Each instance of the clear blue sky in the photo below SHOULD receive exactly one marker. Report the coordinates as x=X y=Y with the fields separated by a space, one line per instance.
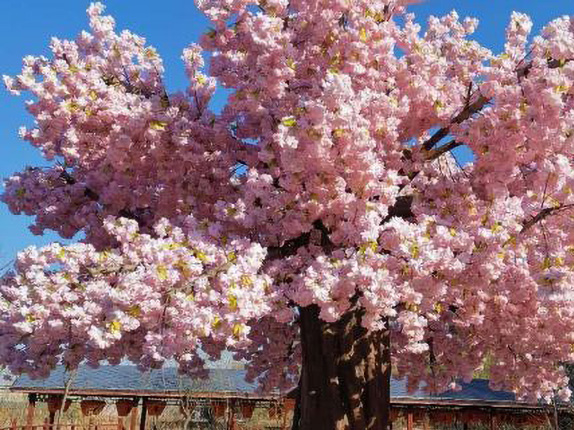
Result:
x=27 y=25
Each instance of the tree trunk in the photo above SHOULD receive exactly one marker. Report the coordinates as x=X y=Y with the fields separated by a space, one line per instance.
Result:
x=345 y=377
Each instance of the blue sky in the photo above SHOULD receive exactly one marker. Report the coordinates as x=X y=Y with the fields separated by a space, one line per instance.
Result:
x=169 y=25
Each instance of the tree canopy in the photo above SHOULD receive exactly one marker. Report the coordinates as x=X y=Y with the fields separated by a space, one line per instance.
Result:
x=327 y=180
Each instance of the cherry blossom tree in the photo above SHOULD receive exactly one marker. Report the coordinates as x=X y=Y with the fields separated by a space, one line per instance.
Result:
x=319 y=227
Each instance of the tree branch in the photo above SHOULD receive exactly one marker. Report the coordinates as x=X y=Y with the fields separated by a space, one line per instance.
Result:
x=92 y=195
x=467 y=112
x=289 y=248
x=401 y=209
x=435 y=153
x=481 y=101
x=544 y=213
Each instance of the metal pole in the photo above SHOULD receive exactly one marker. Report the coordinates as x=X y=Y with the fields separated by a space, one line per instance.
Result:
x=144 y=414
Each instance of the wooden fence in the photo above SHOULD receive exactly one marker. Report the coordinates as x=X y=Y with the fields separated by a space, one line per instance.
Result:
x=65 y=426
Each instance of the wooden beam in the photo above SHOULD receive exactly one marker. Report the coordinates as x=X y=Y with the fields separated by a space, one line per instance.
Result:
x=31 y=410
x=410 y=420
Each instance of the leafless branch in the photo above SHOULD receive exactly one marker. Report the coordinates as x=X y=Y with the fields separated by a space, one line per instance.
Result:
x=435 y=153
x=466 y=113
x=543 y=214
x=475 y=107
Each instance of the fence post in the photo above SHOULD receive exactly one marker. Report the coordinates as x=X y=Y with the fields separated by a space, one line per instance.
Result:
x=134 y=417
x=31 y=410
x=410 y=420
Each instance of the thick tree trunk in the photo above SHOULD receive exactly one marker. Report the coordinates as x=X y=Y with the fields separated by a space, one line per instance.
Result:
x=345 y=377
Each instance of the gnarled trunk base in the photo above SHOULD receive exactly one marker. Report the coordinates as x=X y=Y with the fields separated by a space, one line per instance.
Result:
x=345 y=377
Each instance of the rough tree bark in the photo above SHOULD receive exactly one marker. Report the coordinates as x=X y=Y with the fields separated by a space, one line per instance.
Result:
x=345 y=376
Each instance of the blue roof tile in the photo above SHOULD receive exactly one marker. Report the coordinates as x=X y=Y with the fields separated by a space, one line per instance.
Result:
x=129 y=378
x=167 y=380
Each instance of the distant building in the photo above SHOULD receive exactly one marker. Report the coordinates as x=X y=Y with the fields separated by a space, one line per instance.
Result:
x=227 y=393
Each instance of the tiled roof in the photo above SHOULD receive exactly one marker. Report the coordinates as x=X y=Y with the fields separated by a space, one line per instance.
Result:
x=167 y=381
x=476 y=390
x=129 y=378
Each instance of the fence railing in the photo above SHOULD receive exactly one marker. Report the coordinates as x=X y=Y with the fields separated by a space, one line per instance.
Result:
x=66 y=426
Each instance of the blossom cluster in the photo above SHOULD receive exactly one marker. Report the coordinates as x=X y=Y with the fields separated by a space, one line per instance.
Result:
x=149 y=299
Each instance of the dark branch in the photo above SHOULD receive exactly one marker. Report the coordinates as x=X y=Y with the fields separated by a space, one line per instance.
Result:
x=289 y=248
x=481 y=102
x=544 y=213
x=70 y=180
x=552 y=64
x=466 y=113
x=435 y=153
x=92 y=195
x=326 y=243
x=401 y=209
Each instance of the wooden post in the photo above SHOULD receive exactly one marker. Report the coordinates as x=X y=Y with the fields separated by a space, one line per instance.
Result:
x=31 y=411
x=425 y=423
x=48 y=423
x=410 y=420
x=230 y=415
x=120 y=423
x=144 y=414
x=492 y=420
x=51 y=420
x=285 y=412
x=134 y=417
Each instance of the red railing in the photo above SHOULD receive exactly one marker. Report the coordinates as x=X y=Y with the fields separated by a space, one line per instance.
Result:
x=65 y=426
